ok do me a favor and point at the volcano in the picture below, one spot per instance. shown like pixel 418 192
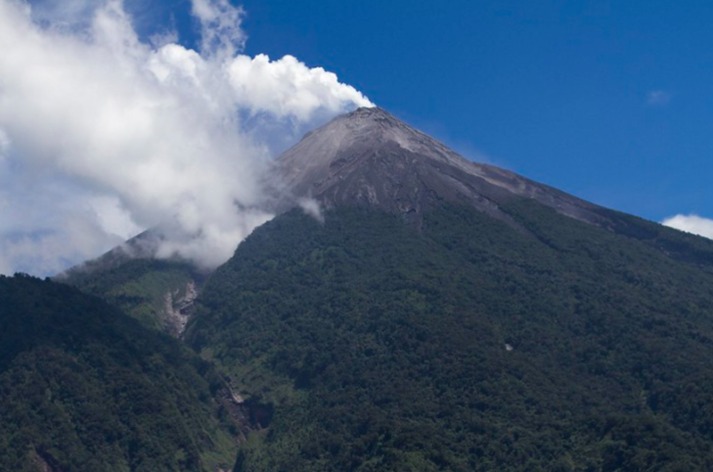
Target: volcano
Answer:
pixel 446 315
pixel 432 313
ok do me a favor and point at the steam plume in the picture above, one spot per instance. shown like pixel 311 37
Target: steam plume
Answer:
pixel 103 134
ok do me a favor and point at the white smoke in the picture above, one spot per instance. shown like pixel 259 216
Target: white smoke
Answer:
pixel 312 208
pixel 103 135
pixel 287 87
pixel 691 224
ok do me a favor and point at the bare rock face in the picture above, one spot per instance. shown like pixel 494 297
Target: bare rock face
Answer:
pixel 370 158
pixel 178 305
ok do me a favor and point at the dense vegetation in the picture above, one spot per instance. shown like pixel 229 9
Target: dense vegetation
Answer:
pixel 85 387
pixel 139 287
pixel 469 343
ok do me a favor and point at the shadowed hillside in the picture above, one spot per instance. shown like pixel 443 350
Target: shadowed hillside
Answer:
pixel 467 345
pixel 84 387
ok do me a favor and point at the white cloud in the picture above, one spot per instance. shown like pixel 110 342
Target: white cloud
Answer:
pixel 691 224
pixel 31 240
pixel 220 32
pixel 658 98
pixel 103 134
pixel 64 14
pixel 312 208
pixel 5 143
pixel 112 217
pixel 288 87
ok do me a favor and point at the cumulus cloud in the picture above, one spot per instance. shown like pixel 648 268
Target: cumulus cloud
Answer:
pixel 103 135
pixel 220 26
pixel 658 98
pixel 691 224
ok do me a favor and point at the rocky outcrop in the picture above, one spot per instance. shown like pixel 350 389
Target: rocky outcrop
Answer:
pixel 178 308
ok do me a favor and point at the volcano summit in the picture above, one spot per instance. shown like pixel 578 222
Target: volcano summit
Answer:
pixel 369 157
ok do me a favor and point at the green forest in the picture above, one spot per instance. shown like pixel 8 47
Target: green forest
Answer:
pixel 467 343
pixel 376 342
pixel 136 286
pixel 83 387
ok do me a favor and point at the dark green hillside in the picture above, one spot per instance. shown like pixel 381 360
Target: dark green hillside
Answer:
pixel 84 387
pixel 470 344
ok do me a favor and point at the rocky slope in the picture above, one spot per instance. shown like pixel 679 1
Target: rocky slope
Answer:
pixel 369 157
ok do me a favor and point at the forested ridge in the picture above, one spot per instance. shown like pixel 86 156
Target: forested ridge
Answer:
pixel 467 343
pixel 84 387
pixel 373 342
pixel 138 287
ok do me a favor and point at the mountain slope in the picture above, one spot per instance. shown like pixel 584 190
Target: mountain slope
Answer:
pixel 467 345
pixel 157 292
pixel 371 159
pixel 84 387
pixel 513 327
pixel 368 157
pixel 448 315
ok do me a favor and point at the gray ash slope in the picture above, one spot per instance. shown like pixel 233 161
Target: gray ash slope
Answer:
pixel 368 157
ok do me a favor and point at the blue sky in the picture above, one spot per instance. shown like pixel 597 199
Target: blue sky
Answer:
pixel 610 101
